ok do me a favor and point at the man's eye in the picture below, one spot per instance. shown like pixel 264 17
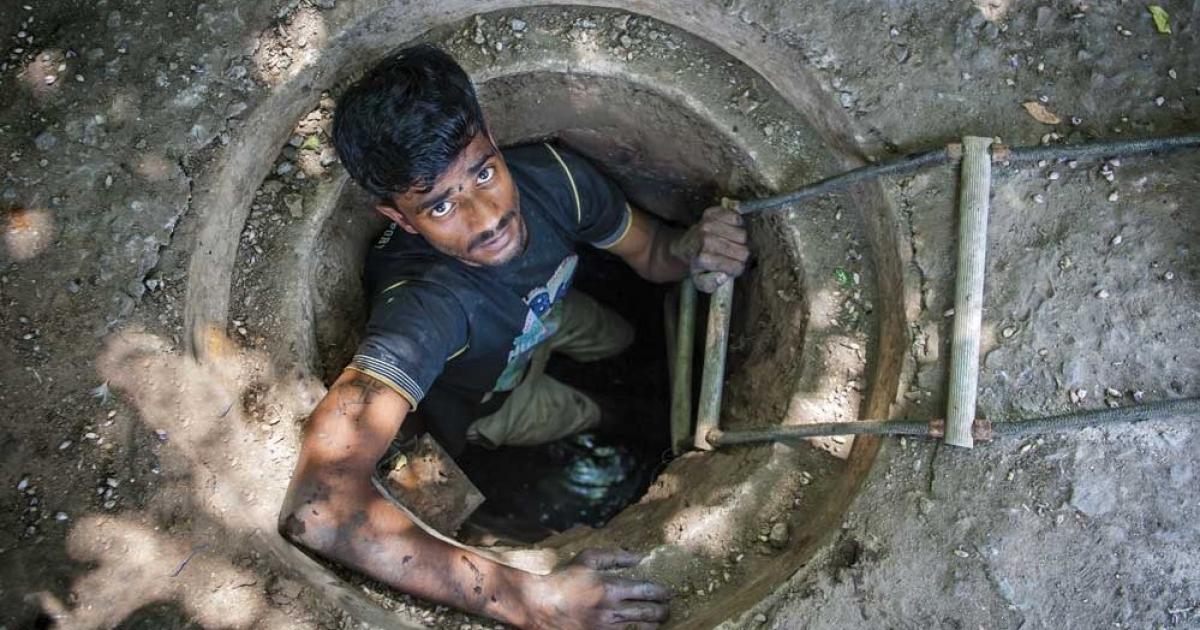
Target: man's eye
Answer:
pixel 487 174
pixel 441 210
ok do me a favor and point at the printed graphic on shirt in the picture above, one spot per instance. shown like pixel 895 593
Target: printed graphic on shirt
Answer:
pixel 386 237
pixel 540 323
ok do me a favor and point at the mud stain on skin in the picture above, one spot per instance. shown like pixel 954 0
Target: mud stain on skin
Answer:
pixel 293 527
pixel 478 587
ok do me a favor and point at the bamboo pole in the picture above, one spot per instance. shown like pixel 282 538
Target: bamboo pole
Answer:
pixel 708 415
pixel 975 182
pixel 681 383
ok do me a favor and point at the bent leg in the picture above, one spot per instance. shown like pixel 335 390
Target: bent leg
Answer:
pixel 538 411
pixel 541 409
pixel 590 331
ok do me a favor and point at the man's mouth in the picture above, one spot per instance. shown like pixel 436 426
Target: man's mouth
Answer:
pixel 502 236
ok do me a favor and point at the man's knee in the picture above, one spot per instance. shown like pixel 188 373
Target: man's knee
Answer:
pixel 592 331
pixel 624 335
pixel 545 411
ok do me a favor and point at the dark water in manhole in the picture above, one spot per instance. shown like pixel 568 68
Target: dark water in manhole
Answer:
pixel 588 478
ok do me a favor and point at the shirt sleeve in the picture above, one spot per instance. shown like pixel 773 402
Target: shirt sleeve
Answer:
pixel 414 329
pixel 602 213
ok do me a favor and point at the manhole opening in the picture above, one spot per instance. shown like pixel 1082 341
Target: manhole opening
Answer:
pixel 675 123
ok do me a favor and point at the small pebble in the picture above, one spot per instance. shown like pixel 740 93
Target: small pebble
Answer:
pixel 1072 163
pixel 961 553
pixel 1009 332
pixel 1039 198
pixel 65 445
pixel 1116 240
pixel 1138 395
pixel 1102 294
pixel 1157 101
pixel 779 535
pixel 21 485
pixel 1171 73
pixel 61 517
pixel 1112 392
pixel 1053 176
pixel 1169 276
pixel 1113 196
pixel 1076 120
pixel 161 435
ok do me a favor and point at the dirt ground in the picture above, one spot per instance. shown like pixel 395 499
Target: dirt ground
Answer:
pixel 122 512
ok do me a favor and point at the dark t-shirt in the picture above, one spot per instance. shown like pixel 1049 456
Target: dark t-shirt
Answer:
pixel 455 339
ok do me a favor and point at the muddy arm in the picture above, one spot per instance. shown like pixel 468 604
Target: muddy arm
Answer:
pixel 332 509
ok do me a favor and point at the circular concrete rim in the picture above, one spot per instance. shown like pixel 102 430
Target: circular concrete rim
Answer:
pixel 224 196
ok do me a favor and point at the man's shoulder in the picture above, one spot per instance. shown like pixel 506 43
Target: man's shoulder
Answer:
pixel 535 155
pixel 544 173
pixel 397 258
pixel 536 165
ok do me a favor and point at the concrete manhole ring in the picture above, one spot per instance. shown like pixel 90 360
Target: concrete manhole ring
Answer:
pixel 809 345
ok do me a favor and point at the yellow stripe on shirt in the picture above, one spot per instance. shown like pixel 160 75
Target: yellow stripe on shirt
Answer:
pixel 570 178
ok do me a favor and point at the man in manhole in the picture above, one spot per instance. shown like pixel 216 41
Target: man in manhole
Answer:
pixel 469 290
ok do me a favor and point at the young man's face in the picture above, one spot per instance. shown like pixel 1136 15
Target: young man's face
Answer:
pixel 471 212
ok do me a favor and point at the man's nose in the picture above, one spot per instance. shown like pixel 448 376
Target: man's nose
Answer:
pixel 485 214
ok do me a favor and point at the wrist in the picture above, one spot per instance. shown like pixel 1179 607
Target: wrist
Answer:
pixel 523 599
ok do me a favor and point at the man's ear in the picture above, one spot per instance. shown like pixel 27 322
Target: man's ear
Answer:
pixel 388 208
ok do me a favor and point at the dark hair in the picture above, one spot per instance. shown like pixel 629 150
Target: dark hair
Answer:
pixel 402 123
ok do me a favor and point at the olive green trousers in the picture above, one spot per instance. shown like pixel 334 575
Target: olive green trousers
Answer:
pixel 541 409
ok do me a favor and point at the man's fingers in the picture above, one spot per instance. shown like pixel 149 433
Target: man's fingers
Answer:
pixel 708 281
pixel 604 559
pixel 729 249
pixel 642 590
pixel 709 261
pixel 640 611
pixel 732 233
pixel 724 215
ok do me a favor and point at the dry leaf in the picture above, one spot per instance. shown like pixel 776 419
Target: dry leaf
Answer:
pixel 1162 20
pixel 1040 113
